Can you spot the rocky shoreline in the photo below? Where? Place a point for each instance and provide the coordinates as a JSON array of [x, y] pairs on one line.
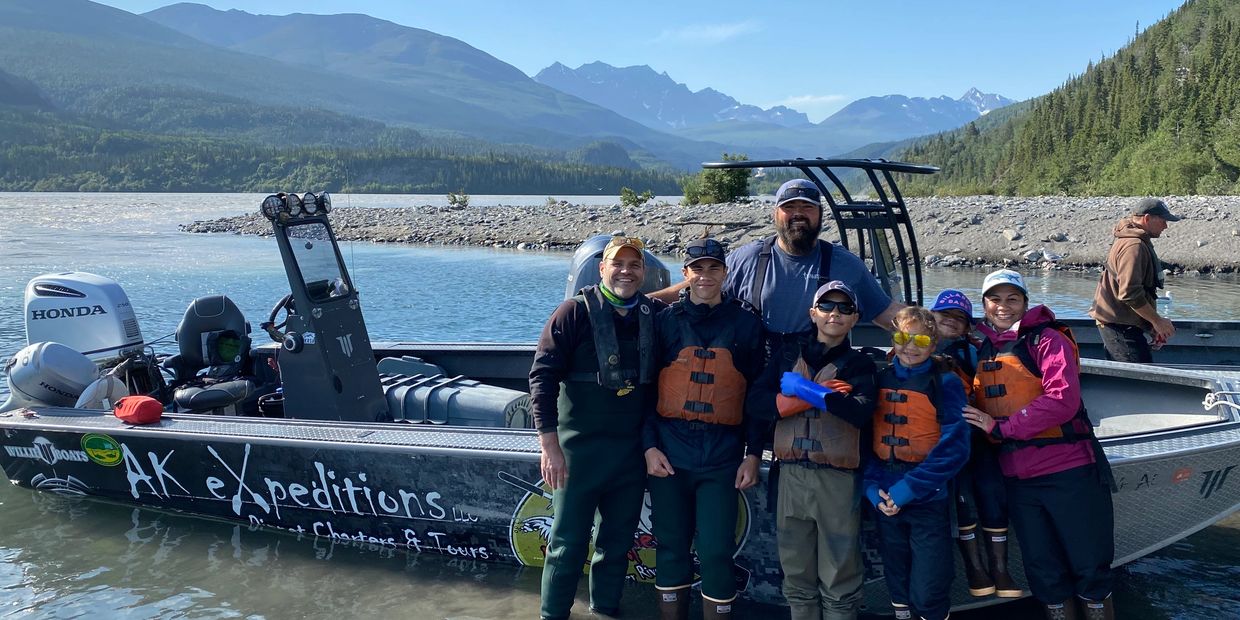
[[1050, 232]]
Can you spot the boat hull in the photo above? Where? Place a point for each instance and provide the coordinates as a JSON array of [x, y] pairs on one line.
[[476, 493]]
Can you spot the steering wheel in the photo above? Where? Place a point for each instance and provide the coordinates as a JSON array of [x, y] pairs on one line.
[[270, 326]]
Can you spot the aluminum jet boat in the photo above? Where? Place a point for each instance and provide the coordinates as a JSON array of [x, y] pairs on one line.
[[427, 448]]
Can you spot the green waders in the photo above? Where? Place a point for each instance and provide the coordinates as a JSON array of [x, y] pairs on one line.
[[701, 500], [818, 517], [599, 432]]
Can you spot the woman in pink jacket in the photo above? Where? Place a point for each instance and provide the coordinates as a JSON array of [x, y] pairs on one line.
[[1027, 394]]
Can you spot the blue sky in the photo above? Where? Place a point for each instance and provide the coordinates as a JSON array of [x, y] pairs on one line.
[[814, 56]]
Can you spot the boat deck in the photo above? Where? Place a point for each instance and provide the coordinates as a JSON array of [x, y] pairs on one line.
[[398, 436]]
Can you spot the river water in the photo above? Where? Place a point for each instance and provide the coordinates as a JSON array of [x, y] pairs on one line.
[[63, 559]]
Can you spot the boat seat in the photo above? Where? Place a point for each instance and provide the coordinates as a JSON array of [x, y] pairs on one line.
[[213, 336]]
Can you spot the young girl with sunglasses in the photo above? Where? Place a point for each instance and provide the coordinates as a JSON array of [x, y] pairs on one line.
[[920, 441]]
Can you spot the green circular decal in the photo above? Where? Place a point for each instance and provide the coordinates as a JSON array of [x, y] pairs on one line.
[[101, 449]]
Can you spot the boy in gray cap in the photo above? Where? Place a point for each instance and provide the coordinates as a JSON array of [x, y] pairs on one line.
[[1125, 306]]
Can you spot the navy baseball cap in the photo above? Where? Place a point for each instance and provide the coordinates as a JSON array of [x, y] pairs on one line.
[[704, 249], [798, 189], [835, 285]]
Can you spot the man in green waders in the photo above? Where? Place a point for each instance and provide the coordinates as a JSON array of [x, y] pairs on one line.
[[592, 378]]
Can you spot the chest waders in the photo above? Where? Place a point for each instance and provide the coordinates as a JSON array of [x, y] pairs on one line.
[[600, 407]]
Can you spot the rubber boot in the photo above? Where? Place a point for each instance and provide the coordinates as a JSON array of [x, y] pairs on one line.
[[674, 603], [902, 612], [1098, 610], [1062, 611], [712, 609], [996, 545], [975, 572]]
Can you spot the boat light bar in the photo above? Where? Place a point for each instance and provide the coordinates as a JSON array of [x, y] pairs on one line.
[[284, 206], [311, 203]]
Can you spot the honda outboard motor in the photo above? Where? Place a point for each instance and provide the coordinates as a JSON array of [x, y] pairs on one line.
[[84, 312], [584, 270], [48, 374]]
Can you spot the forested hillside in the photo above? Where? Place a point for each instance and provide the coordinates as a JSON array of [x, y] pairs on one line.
[[48, 151], [1159, 117]]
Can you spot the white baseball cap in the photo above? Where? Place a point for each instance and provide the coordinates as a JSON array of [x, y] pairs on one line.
[[1004, 276]]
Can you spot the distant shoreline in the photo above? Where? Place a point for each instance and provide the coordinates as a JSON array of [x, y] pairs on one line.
[[1049, 232]]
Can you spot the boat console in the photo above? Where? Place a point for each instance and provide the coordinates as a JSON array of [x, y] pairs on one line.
[[327, 366]]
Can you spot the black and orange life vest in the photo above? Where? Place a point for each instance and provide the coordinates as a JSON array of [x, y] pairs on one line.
[[702, 384], [1008, 379], [815, 435], [907, 424]]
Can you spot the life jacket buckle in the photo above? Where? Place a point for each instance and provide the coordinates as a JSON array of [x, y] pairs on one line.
[[889, 440], [991, 365], [697, 406], [704, 378], [897, 397], [808, 444], [997, 390], [892, 418], [705, 354]]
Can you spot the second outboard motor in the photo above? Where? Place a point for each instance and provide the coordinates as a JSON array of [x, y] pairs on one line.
[[48, 374], [584, 270]]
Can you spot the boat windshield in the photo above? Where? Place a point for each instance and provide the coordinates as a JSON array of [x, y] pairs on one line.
[[316, 260]]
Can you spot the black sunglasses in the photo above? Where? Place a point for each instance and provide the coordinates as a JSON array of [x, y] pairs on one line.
[[713, 249], [809, 193], [844, 307]]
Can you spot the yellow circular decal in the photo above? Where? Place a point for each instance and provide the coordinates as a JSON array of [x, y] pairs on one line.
[[101, 449], [531, 529]]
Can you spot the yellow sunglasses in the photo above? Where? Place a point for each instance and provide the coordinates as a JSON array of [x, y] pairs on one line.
[[903, 338]]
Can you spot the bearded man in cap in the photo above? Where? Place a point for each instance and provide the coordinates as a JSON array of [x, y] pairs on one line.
[[779, 275], [1125, 302]]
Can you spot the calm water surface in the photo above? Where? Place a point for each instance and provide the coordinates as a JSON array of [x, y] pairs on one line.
[[64, 558]]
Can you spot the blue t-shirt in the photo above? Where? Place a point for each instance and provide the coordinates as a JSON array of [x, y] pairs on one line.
[[792, 280]]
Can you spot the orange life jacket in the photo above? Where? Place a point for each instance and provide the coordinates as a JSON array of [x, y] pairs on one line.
[[906, 418], [1008, 379], [957, 354], [816, 435], [702, 384]]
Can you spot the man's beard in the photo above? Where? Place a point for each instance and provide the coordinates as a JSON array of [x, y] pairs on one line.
[[798, 240]]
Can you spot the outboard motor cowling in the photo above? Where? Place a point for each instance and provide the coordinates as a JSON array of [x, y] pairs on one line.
[[88, 313], [584, 270], [48, 374]]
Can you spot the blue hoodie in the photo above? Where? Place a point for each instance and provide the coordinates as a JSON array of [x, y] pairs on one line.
[[929, 479]]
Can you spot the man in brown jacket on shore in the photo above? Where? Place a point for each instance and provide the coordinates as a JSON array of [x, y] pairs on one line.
[[1125, 301]]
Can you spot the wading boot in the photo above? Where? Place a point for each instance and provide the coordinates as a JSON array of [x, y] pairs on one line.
[[997, 545], [1098, 610], [975, 572], [1062, 611], [674, 603], [902, 612], [712, 609]]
